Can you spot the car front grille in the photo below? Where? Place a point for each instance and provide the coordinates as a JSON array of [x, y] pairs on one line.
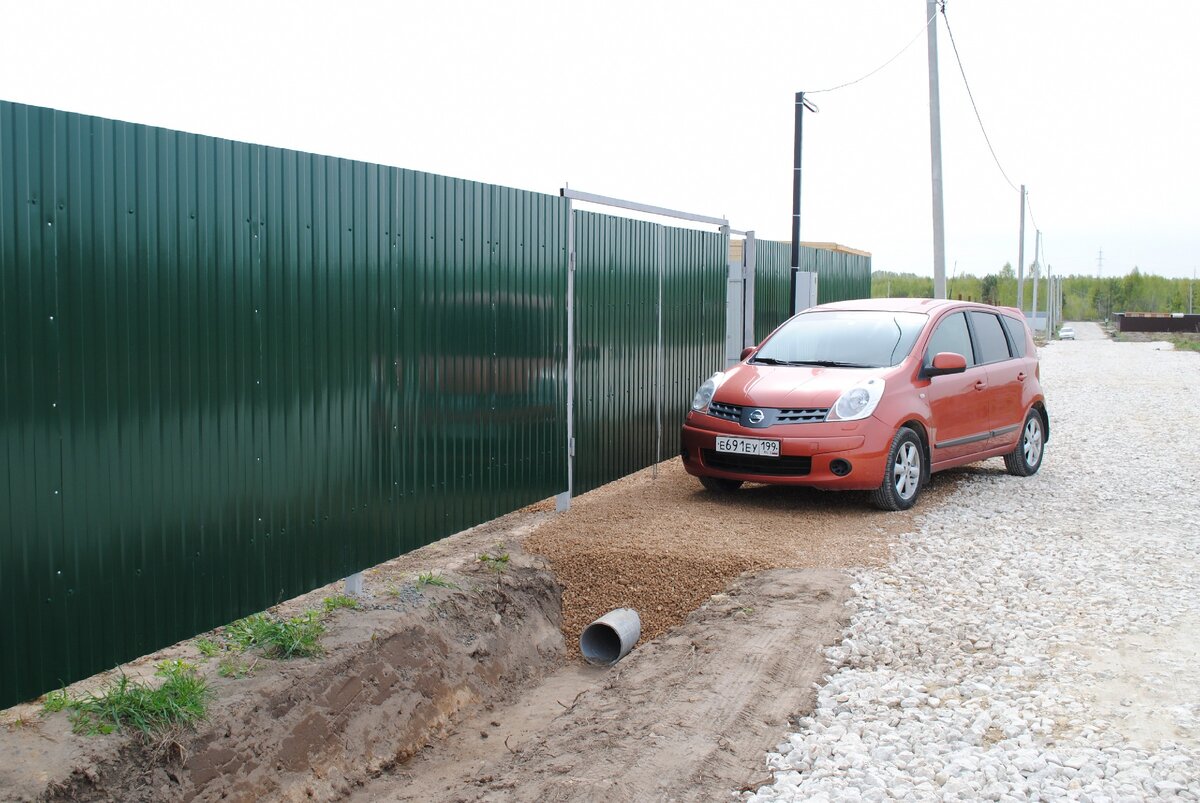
[[771, 416], [806, 416], [753, 464], [730, 412]]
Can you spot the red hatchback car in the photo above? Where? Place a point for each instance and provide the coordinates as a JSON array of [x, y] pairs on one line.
[[872, 395]]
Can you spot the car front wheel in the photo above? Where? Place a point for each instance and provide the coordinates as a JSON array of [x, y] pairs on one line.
[[1026, 459], [902, 477]]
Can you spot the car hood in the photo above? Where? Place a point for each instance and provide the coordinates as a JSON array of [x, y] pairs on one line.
[[790, 386]]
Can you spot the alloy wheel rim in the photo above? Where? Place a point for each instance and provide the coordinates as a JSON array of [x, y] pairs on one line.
[[906, 471], [1033, 441]]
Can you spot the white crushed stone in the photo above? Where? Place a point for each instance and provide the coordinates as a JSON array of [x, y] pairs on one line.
[[1039, 638]]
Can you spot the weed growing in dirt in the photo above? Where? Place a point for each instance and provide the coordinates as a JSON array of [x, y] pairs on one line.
[[207, 647], [179, 701], [339, 601], [232, 666], [431, 579], [278, 638], [497, 563], [56, 701]]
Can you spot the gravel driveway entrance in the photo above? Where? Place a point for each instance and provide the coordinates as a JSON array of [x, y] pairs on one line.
[[1037, 638]]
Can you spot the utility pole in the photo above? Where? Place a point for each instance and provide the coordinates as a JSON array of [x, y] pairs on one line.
[[1049, 303], [1037, 264], [1191, 291], [935, 155], [801, 105], [1021, 258], [798, 144]]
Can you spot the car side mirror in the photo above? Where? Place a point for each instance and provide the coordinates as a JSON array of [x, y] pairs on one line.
[[746, 352], [946, 362]]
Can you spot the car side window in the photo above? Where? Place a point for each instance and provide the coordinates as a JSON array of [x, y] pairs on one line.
[[989, 337], [1016, 334], [951, 335]]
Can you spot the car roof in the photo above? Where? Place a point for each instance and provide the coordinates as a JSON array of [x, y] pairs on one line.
[[928, 306]]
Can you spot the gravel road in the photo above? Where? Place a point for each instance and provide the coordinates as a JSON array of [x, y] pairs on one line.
[[1035, 638]]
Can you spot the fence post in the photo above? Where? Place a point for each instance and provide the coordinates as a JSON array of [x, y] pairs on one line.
[[749, 261], [562, 502], [658, 353]]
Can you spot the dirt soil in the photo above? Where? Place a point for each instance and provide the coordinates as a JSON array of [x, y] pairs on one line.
[[476, 691]]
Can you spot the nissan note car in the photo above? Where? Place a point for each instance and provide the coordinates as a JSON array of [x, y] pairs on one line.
[[872, 395]]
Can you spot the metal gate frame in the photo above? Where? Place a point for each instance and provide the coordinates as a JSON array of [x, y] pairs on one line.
[[743, 273]]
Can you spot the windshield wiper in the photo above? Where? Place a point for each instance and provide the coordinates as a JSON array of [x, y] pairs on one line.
[[834, 364], [822, 363], [837, 364]]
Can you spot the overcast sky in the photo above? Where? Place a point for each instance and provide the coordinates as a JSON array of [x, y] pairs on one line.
[[1093, 105]]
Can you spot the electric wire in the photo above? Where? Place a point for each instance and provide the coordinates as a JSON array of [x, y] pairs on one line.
[[1029, 209], [881, 66], [971, 95]]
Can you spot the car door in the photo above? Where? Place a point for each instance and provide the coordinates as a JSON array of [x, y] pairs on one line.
[[958, 404], [1009, 378], [1003, 391]]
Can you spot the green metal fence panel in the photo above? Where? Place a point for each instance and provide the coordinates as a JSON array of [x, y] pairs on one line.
[[631, 393], [695, 274], [841, 276], [616, 336], [772, 286], [233, 373]]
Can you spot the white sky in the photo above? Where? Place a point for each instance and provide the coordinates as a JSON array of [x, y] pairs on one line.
[[1093, 104]]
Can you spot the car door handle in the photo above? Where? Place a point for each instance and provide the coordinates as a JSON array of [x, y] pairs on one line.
[[980, 385], [1021, 376]]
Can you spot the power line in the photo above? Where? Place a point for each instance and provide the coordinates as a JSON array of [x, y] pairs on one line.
[[886, 63], [1029, 208], [972, 97]]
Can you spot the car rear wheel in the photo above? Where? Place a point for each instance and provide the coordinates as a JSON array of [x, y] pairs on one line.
[[902, 477], [720, 485], [1026, 459]]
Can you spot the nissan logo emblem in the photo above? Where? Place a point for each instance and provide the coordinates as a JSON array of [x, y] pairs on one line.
[[756, 417]]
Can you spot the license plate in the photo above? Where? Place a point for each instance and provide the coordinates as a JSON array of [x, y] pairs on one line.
[[754, 446]]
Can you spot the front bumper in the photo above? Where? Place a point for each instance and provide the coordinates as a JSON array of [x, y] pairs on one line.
[[864, 445]]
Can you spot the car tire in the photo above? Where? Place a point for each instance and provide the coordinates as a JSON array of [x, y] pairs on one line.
[[720, 485], [1026, 458], [903, 473]]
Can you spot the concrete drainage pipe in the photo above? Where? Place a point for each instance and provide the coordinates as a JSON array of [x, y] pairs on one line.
[[611, 637]]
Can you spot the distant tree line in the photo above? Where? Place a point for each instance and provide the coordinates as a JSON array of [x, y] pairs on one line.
[[1085, 298]]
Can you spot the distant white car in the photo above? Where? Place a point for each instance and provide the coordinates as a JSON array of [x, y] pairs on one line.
[[1066, 333]]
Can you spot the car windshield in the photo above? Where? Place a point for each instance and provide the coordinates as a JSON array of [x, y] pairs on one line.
[[843, 338]]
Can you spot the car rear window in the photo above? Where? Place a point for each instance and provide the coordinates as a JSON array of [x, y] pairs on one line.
[[990, 343], [950, 336], [850, 338], [1016, 334]]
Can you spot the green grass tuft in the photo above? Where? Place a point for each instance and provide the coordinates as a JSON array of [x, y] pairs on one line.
[[180, 700], [207, 647], [278, 638], [497, 562], [232, 666], [339, 601], [431, 579], [56, 701]]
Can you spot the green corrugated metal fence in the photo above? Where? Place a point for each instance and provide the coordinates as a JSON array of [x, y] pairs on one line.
[[841, 276], [232, 373], [630, 398]]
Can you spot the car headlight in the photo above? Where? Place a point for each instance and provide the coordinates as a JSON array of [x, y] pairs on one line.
[[857, 402], [704, 395]]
